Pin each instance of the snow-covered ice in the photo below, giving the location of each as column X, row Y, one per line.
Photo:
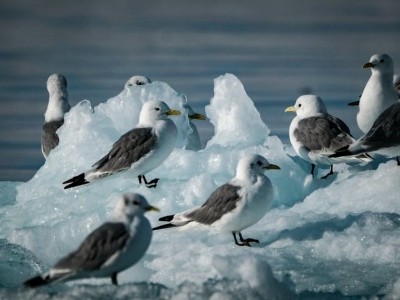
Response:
column 323, row 238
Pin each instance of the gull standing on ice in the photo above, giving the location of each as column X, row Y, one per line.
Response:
column 383, row 138
column 193, row 140
column 54, row 115
column 236, row 205
column 111, row 248
column 315, row 134
column 379, row 92
column 137, row 80
column 140, row 150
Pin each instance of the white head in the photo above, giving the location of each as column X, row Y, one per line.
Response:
column 58, row 98
column 55, row 83
column 253, row 165
column 308, row 106
column 154, row 110
column 131, row 205
column 137, row 80
column 380, row 63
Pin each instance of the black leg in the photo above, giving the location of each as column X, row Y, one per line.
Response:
column 327, row 175
column 236, row 242
column 247, row 240
column 114, row 280
column 312, row 169
column 149, row 184
column 398, row 161
column 244, row 242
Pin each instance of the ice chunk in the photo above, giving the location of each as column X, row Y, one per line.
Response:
column 233, row 114
column 8, row 192
column 329, row 237
column 254, row 270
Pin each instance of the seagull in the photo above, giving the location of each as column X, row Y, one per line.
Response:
column 383, row 138
column 379, row 92
column 111, row 248
column 137, row 80
column 140, row 150
column 315, row 134
column 236, row 205
column 193, row 140
column 54, row 115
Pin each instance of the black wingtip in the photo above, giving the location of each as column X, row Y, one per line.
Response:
column 355, row 103
column 76, row 181
column 36, row 282
column 169, row 225
column 365, row 156
column 166, row 218
column 342, row 152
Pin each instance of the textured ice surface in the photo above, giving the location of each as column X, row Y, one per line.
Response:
column 337, row 237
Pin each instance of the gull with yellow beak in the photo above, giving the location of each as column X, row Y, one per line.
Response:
column 193, row 139
column 138, row 151
column 379, row 92
column 235, row 205
column 111, row 248
column 315, row 134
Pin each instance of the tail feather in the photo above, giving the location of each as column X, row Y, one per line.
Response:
column 37, row 281
column 75, row 181
column 166, row 218
column 169, row 225
column 356, row 150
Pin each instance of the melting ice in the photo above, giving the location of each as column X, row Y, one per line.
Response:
column 338, row 237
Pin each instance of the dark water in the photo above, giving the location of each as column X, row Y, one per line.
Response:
column 277, row 49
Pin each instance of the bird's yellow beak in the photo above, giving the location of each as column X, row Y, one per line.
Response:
column 291, row 109
column 152, row 208
column 272, row 167
column 197, row 116
column 173, row 112
column 368, row 65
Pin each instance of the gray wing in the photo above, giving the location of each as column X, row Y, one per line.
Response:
column 385, row 132
column 130, row 147
column 99, row 246
column 323, row 132
column 221, row 201
column 49, row 137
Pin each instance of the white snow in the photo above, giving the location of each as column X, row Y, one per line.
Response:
column 340, row 235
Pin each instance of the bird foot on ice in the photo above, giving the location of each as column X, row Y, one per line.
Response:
column 327, row 175
column 152, row 183
column 149, row 184
column 246, row 242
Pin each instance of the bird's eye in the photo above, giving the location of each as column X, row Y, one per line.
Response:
column 136, row 202
column 139, row 82
column 157, row 109
column 259, row 163
column 382, row 60
column 300, row 105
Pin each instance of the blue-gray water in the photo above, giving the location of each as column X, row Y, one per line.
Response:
column 277, row 49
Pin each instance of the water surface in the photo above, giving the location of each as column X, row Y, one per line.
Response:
column 278, row 50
